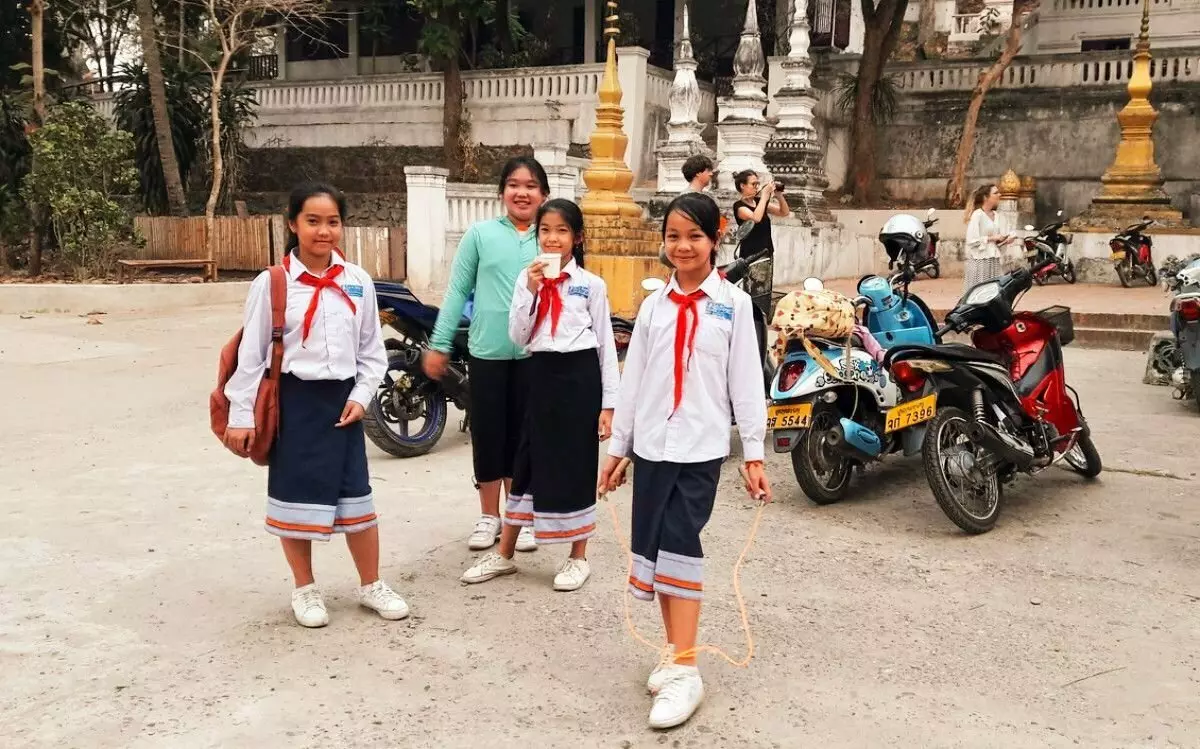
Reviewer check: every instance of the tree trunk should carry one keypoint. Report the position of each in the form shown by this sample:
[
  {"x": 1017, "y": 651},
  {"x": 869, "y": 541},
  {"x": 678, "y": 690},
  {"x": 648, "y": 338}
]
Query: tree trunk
[
  {"x": 956, "y": 186},
  {"x": 37, "y": 15},
  {"x": 182, "y": 28},
  {"x": 862, "y": 126},
  {"x": 158, "y": 105},
  {"x": 218, "y": 161},
  {"x": 452, "y": 118},
  {"x": 504, "y": 40},
  {"x": 926, "y": 27}
]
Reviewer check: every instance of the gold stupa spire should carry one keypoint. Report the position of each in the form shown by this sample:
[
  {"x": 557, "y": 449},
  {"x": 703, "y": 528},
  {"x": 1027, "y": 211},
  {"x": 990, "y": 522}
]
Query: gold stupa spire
[
  {"x": 1134, "y": 177},
  {"x": 608, "y": 177}
]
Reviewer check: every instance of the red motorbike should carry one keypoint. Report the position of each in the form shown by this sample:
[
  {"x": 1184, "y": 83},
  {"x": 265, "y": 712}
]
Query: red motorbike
[{"x": 1002, "y": 407}]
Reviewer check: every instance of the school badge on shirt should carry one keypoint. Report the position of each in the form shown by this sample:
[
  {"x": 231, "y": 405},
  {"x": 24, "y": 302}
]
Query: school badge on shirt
[
  {"x": 718, "y": 310},
  {"x": 579, "y": 291},
  {"x": 354, "y": 290}
]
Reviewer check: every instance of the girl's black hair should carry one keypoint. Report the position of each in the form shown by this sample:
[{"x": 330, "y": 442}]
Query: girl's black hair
[
  {"x": 527, "y": 162},
  {"x": 300, "y": 195},
  {"x": 702, "y": 211},
  {"x": 742, "y": 177},
  {"x": 574, "y": 218}
]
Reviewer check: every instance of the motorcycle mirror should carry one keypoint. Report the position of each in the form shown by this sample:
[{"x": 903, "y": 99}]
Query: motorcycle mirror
[
  {"x": 1060, "y": 214},
  {"x": 653, "y": 284},
  {"x": 813, "y": 284},
  {"x": 1029, "y": 227},
  {"x": 931, "y": 213}
]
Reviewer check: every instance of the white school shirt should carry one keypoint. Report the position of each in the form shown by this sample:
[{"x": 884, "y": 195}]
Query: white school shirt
[
  {"x": 723, "y": 379},
  {"x": 979, "y": 228},
  {"x": 341, "y": 344},
  {"x": 585, "y": 323}
]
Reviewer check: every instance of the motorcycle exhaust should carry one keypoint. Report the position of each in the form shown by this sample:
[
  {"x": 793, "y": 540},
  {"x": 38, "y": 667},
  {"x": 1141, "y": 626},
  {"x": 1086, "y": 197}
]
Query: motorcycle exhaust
[
  {"x": 1009, "y": 448},
  {"x": 454, "y": 383},
  {"x": 854, "y": 440}
]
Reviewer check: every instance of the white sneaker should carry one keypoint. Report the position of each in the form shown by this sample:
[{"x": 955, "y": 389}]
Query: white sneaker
[
  {"x": 572, "y": 574},
  {"x": 488, "y": 566},
  {"x": 526, "y": 540},
  {"x": 659, "y": 674},
  {"x": 486, "y": 533},
  {"x": 681, "y": 693},
  {"x": 308, "y": 607},
  {"x": 383, "y": 600}
]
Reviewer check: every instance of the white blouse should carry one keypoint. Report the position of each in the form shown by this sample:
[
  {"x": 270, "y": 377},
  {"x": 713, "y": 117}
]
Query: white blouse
[{"x": 979, "y": 228}]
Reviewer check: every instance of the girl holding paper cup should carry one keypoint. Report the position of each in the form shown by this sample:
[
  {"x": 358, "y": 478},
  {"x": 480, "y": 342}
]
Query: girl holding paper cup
[{"x": 560, "y": 315}]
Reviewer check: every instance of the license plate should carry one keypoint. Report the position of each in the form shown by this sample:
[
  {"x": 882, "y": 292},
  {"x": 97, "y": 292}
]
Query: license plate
[
  {"x": 793, "y": 416},
  {"x": 909, "y": 414},
  {"x": 1118, "y": 255}
]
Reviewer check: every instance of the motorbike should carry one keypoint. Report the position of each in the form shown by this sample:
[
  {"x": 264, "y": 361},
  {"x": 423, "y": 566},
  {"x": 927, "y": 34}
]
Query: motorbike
[
  {"x": 832, "y": 424},
  {"x": 922, "y": 256},
  {"x": 1184, "y": 285},
  {"x": 1131, "y": 254},
  {"x": 1047, "y": 251},
  {"x": 1002, "y": 406}
]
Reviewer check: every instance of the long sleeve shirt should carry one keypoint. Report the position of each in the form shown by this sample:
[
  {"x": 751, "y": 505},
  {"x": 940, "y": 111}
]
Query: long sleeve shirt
[
  {"x": 586, "y": 323},
  {"x": 723, "y": 379},
  {"x": 979, "y": 229},
  {"x": 489, "y": 257},
  {"x": 342, "y": 343}
]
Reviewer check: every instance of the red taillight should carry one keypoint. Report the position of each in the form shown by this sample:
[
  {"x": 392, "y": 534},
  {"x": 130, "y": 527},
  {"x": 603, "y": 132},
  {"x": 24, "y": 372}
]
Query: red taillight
[
  {"x": 790, "y": 375},
  {"x": 909, "y": 378},
  {"x": 1115, "y": 245},
  {"x": 1189, "y": 310}
]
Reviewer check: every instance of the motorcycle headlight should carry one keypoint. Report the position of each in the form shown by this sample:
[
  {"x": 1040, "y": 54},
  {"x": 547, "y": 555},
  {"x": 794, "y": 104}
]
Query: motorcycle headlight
[{"x": 983, "y": 294}]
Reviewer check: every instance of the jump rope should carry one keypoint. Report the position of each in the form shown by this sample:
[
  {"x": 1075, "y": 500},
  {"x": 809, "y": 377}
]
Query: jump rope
[{"x": 664, "y": 651}]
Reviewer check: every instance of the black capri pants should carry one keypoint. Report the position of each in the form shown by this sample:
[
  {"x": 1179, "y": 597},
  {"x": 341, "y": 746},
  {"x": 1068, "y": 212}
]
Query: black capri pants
[{"x": 499, "y": 393}]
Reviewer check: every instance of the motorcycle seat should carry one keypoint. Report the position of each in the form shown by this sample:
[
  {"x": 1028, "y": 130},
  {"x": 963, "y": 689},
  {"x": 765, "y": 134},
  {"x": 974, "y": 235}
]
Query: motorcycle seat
[{"x": 958, "y": 352}]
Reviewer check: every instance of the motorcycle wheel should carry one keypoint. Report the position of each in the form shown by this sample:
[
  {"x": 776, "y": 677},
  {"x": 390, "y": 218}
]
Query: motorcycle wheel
[
  {"x": 1068, "y": 273},
  {"x": 1084, "y": 459},
  {"x": 1123, "y": 271},
  {"x": 1152, "y": 275},
  {"x": 970, "y": 499},
  {"x": 387, "y": 419},
  {"x": 823, "y": 474}
]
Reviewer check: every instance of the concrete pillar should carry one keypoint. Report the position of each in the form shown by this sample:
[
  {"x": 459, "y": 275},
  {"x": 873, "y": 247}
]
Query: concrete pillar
[
  {"x": 632, "y": 64},
  {"x": 564, "y": 179},
  {"x": 591, "y": 22},
  {"x": 281, "y": 50},
  {"x": 427, "y": 217},
  {"x": 352, "y": 44}
]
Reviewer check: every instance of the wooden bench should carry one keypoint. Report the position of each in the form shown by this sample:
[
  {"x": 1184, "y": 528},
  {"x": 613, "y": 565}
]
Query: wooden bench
[{"x": 209, "y": 266}]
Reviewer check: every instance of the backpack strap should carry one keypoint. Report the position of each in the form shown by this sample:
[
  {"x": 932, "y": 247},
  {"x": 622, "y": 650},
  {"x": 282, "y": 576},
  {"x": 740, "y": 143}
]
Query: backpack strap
[{"x": 278, "y": 310}]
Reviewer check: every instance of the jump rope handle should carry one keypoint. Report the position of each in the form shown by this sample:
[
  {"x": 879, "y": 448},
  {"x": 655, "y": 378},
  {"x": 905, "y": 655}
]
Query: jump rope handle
[
  {"x": 620, "y": 469},
  {"x": 758, "y": 497}
]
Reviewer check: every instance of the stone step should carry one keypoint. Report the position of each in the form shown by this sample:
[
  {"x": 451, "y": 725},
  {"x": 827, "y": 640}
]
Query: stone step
[{"x": 1113, "y": 338}]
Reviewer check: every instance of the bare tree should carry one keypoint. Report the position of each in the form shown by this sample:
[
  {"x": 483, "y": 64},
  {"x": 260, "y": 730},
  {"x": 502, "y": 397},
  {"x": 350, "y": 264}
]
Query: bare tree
[
  {"x": 37, "y": 32},
  {"x": 234, "y": 25},
  {"x": 956, "y": 186},
  {"x": 101, "y": 27},
  {"x": 158, "y": 105},
  {"x": 882, "y": 20}
]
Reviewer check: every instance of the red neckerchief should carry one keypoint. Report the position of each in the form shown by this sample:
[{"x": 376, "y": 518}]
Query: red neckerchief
[
  {"x": 684, "y": 338},
  {"x": 549, "y": 303},
  {"x": 327, "y": 281}
]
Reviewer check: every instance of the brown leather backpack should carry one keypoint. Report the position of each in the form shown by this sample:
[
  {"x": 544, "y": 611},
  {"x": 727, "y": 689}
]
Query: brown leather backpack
[{"x": 266, "y": 405}]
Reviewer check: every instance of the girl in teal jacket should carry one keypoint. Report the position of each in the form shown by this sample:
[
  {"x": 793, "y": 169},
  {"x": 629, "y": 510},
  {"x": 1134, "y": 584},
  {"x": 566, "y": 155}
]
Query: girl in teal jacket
[{"x": 488, "y": 260}]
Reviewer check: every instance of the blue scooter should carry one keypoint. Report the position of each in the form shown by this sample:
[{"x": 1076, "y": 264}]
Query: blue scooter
[{"x": 830, "y": 424}]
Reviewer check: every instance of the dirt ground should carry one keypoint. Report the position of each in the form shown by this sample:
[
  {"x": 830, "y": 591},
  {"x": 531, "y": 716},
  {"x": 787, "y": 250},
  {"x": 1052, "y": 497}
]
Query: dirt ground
[{"x": 142, "y": 605}]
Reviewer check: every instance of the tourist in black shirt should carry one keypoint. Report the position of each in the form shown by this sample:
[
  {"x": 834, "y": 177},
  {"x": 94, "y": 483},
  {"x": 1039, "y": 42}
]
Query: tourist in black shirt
[{"x": 757, "y": 205}]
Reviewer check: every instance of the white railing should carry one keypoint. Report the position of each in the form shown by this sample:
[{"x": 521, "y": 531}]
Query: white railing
[
  {"x": 1059, "y": 71},
  {"x": 466, "y": 204},
  {"x": 1109, "y": 5},
  {"x": 708, "y": 102},
  {"x": 565, "y": 84},
  {"x": 106, "y": 104},
  {"x": 658, "y": 87}
]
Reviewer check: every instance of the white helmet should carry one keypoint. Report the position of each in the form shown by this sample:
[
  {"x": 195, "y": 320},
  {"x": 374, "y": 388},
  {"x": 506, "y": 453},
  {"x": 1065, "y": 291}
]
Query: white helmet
[{"x": 902, "y": 233}]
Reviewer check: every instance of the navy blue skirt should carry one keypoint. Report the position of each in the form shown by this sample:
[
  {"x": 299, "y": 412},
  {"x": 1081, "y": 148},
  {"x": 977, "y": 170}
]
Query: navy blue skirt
[{"x": 317, "y": 480}]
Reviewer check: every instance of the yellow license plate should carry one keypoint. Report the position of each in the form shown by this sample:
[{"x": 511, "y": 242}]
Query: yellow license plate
[
  {"x": 902, "y": 417},
  {"x": 793, "y": 416},
  {"x": 1118, "y": 255}
]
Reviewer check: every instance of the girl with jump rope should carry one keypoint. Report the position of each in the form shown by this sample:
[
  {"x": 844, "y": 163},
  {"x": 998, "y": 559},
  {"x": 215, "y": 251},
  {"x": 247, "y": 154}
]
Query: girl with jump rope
[
  {"x": 700, "y": 328},
  {"x": 560, "y": 315}
]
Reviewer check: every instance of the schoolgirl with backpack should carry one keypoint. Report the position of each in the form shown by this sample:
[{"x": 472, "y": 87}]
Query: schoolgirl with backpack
[{"x": 292, "y": 390}]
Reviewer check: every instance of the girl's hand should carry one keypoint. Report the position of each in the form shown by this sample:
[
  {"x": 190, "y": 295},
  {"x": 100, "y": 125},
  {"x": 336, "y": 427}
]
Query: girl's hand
[
  {"x": 768, "y": 191},
  {"x": 351, "y": 413},
  {"x": 434, "y": 363},
  {"x": 239, "y": 441},
  {"x": 612, "y": 475},
  {"x": 536, "y": 275},
  {"x": 606, "y": 417},
  {"x": 755, "y": 477}
]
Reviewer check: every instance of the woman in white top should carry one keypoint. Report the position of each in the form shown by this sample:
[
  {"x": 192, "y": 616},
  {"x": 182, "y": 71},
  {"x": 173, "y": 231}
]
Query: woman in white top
[
  {"x": 564, "y": 323},
  {"x": 984, "y": 239}
]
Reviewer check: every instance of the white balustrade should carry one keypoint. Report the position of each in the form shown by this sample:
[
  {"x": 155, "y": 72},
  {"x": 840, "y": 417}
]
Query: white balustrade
[
  {"x": 1110, "y": 6},
  {"x": 658, "y": 87},
  {"x": 466, "y": 204}
]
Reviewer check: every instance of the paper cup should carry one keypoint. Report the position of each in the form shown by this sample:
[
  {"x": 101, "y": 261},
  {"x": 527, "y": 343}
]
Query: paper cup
[{"x": 553, "y": 264}]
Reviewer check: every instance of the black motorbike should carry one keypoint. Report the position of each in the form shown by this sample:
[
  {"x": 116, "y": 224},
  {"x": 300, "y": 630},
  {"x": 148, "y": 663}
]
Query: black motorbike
[
  {"x": 1047, "y": 253},
  {"x": 1131, "y": 254}
]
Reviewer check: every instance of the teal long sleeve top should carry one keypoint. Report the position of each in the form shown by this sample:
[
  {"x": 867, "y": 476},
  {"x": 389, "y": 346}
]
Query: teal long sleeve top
[{"x": 489, "y": 257}]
